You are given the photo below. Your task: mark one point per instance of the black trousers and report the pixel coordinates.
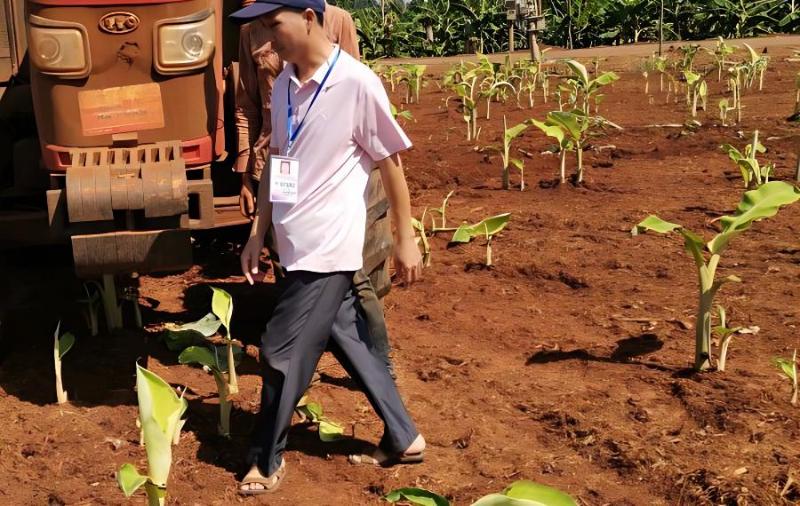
(314, 312)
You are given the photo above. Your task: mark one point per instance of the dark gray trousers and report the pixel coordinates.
(312, 310)
(367, 298)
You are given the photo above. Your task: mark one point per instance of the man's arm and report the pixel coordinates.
(248, 103)
(251, 253)
(408, 260)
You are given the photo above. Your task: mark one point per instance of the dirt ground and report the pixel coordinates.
(567, 363)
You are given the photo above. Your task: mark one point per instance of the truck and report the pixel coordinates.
(117, 134)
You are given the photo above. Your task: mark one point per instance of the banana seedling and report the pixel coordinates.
(509, 134)
(755, 66)
(417, 496)
(61, 345)
(696, 88)
(486, 228)
(751, 168)
(527, 493)
(412, 76)
(688, 52)
(494, 90)
(220, 368)
(797, 93)
(725, 335)
(222, 307)
(586, 88)
(571, 130)
(398, 114)
(160, 412)
(441, 211)
(466, 92)
(720, 53)
(789, 369)
(724, 110)
(422, 238)
(755, 205)
(328, 430)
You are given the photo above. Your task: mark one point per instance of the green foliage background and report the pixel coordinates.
(460, 26)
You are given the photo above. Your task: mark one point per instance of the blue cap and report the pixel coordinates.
(261, 7)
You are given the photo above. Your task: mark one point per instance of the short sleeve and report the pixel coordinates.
(375, 128)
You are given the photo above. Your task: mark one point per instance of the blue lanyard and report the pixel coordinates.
(292, 135)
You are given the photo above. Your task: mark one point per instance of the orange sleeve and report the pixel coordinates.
(248, 103)
(341, 29)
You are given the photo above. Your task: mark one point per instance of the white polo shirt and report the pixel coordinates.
(348, 129)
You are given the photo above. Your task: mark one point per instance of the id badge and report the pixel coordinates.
(284, 174)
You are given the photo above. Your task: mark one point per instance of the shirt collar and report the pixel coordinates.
(319, 75)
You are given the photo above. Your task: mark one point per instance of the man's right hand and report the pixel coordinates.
(247, 199)
(250, 256)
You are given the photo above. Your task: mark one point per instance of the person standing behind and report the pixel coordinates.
(332, 121)
(259, 65)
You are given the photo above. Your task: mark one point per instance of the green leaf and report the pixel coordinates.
(199, 355)
(503, 500)
(214, 357)
(206, 326)
(691, 77)
(312, 410)
(160, 411)
(179, 340)
(579, 70)
(489, 226)
(222, 306)
(65, 343)
(550, 130)
(573, 123)
(514, 132)
(786, 366)
(330, 431)
(763, 202)
(654, 224)
(516, 162)
(606, 79)
(129, 479)
(416, 496)
(530, 491)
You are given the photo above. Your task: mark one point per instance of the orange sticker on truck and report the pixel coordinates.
(121, 109)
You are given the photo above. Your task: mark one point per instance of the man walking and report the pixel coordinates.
(259, 65)
(331, 121)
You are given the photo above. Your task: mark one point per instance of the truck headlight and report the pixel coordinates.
(184, 44)
(59, 48)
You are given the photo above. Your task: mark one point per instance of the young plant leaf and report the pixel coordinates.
(160, 411)
(222, 306)
(418, 496)
(654, 224)
(65, 343)
(312, 410)
(489, 226)
(129, 479)
(514, 132)
(504, 500)
(786, 366)
(214, 357)
(330, 431)
(763, 202)
(206, 326)
(199, 355)
(530, 491)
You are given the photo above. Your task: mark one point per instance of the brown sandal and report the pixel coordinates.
(270, 483)
(387, 460)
